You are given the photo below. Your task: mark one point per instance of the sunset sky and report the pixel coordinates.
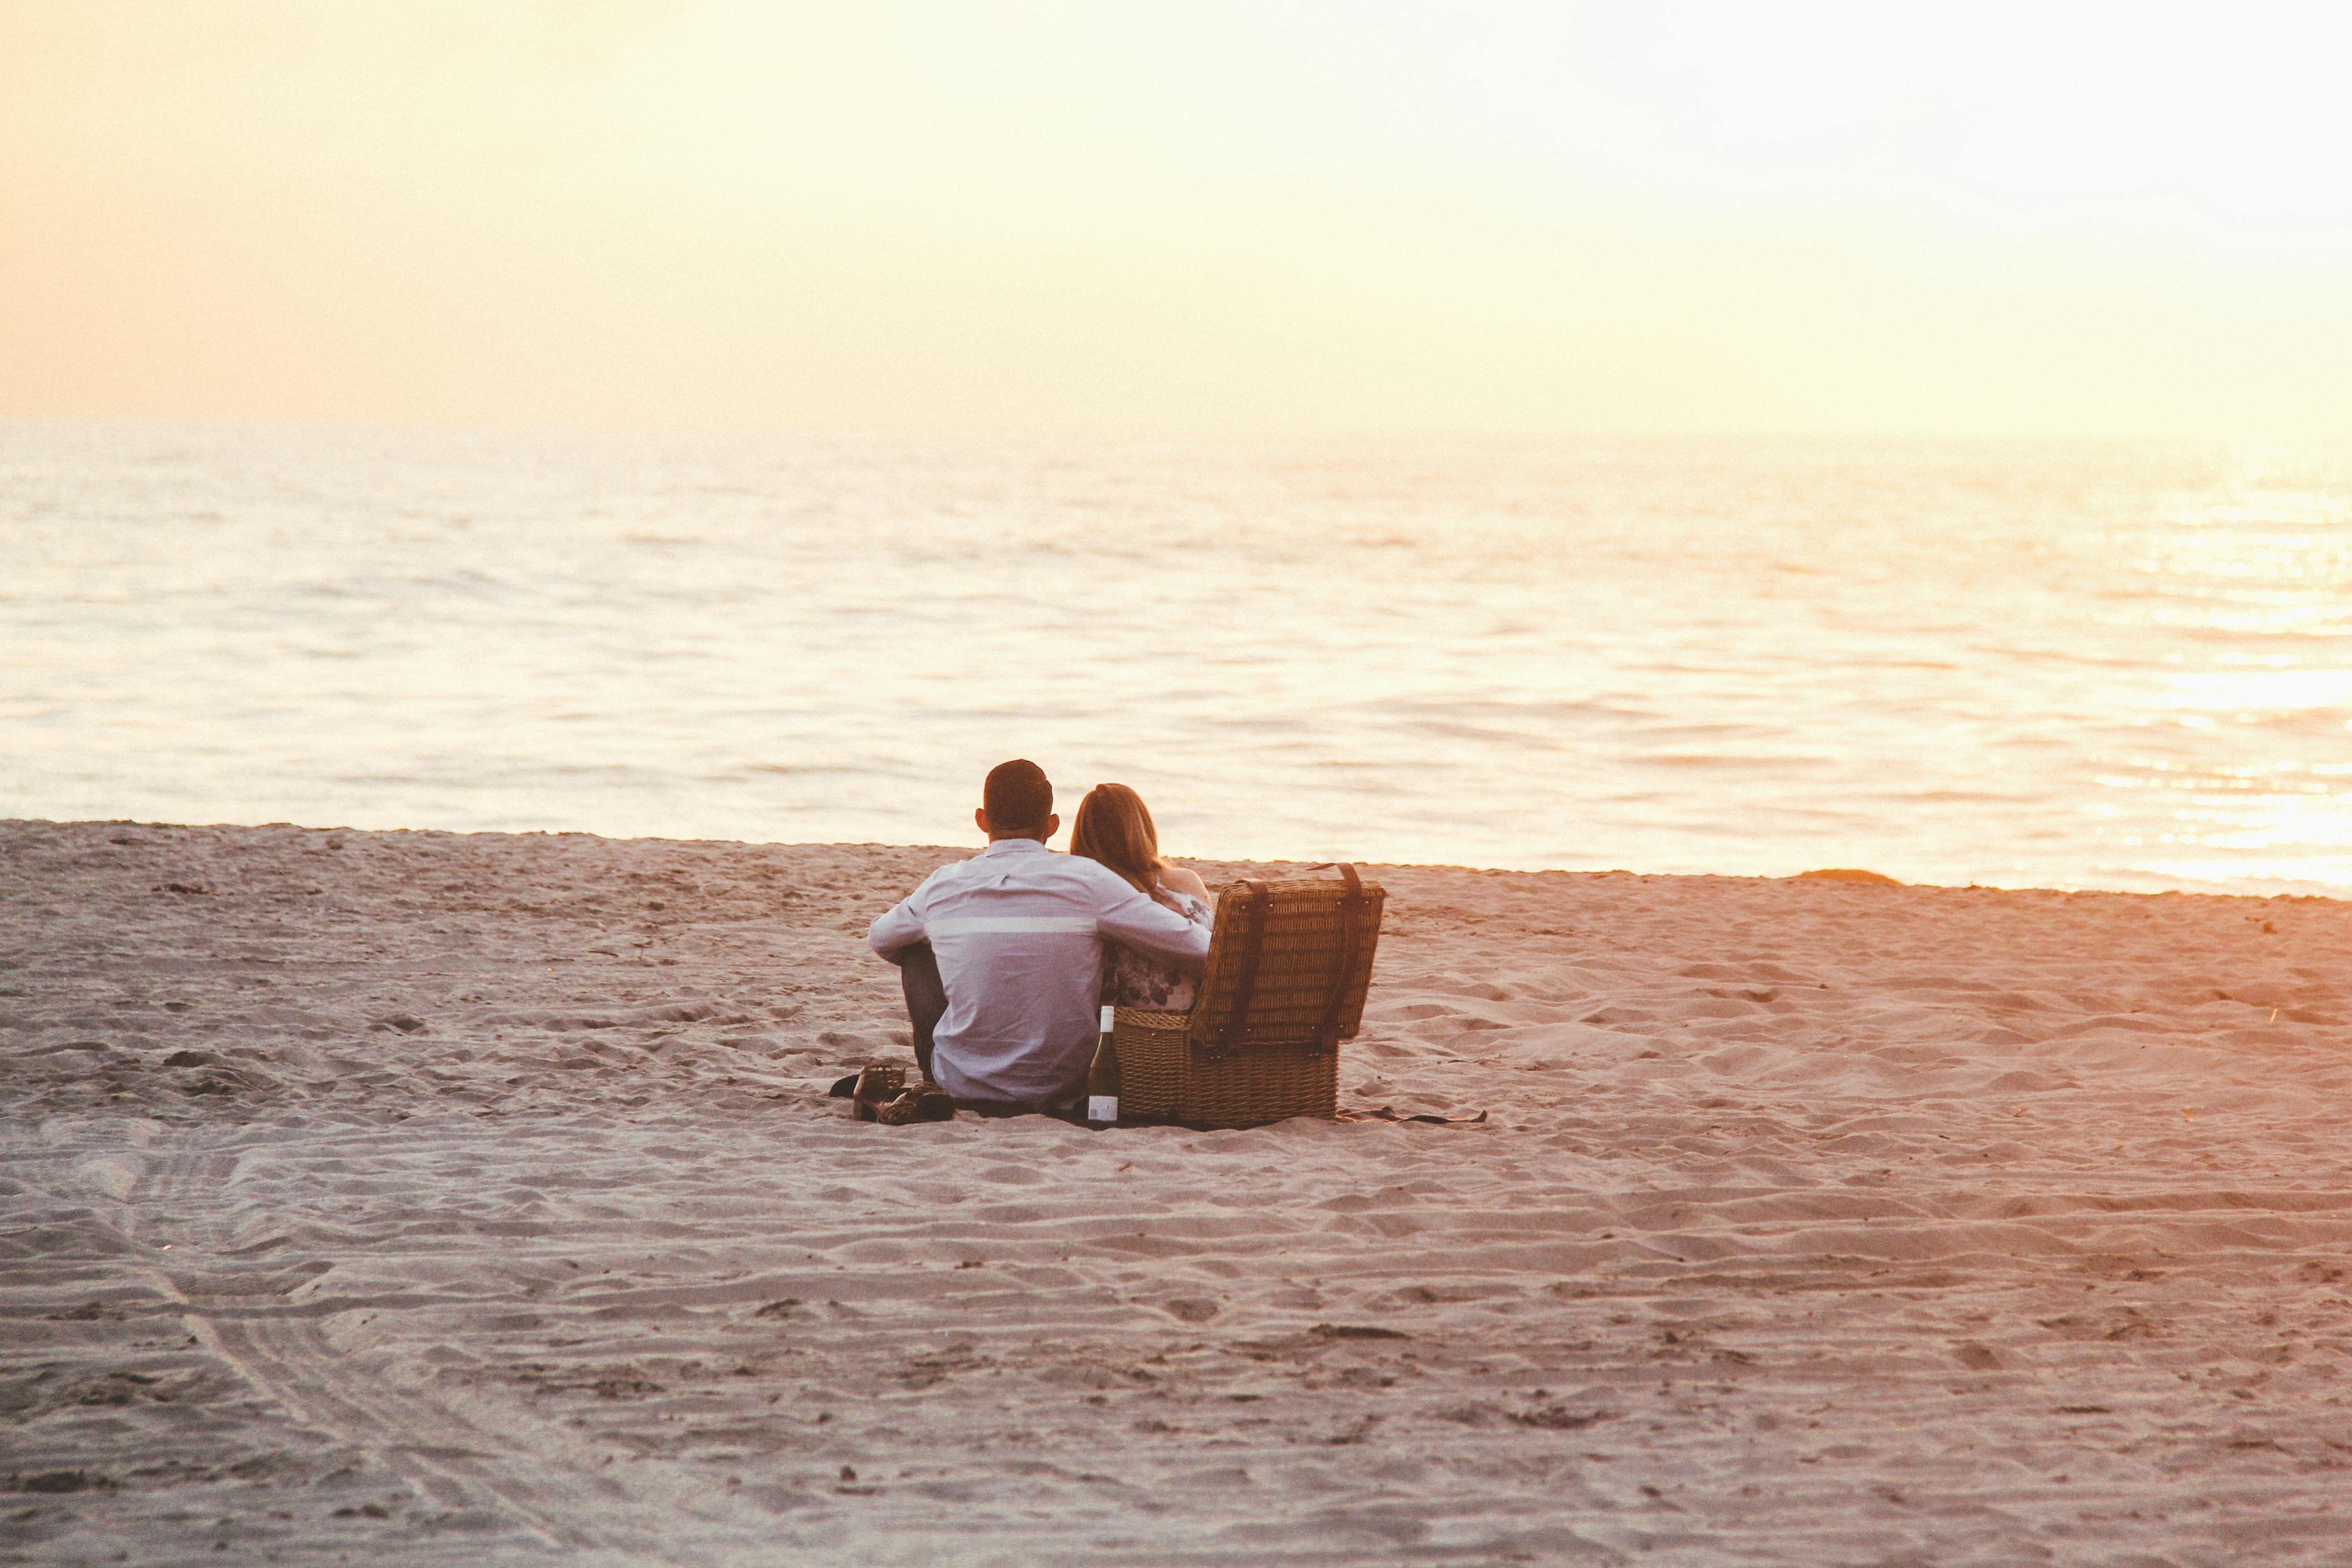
(1509, 219)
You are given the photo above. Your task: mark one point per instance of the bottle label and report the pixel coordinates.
(1102, 1107)
(1109, 1019)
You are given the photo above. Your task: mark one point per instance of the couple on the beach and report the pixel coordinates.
(1005, 957)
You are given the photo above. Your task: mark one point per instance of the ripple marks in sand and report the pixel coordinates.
(486, 1469)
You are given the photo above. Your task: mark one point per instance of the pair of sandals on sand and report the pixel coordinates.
(883, 1094)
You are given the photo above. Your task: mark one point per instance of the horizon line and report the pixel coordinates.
(1112, 431)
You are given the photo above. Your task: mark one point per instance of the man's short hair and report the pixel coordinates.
(1018, 795)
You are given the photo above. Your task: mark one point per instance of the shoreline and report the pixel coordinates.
(1859, 875)
(427, 1197)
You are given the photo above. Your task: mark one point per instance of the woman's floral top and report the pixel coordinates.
(1135, 979)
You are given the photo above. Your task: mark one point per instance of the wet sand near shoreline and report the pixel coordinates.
(422, 1198)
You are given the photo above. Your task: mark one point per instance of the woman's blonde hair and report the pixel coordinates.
(1114, 826)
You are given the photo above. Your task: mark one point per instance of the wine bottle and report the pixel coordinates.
(1102, 1077)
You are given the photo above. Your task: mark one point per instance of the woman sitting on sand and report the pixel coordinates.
(1114, 826)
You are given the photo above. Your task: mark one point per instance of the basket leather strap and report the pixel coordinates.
(1245, 982)
(1352, 904)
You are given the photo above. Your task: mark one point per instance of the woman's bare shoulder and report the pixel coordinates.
(1177, 879)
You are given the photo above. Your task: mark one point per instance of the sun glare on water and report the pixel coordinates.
(2254, 660)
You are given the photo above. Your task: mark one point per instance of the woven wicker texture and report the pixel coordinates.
(1154, 1049)
(1287, 976)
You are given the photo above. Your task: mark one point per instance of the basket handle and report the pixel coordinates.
(1355, 883)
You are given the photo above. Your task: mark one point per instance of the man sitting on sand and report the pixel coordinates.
(1001, 955)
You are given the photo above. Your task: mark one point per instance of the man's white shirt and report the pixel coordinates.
(1018, 932)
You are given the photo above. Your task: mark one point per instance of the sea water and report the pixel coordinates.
(2084, 664)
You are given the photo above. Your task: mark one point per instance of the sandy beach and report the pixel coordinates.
(417, 1198)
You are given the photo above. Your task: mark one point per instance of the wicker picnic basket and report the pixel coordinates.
(1287, 970)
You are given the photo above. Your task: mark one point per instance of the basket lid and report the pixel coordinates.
(1291, 962)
